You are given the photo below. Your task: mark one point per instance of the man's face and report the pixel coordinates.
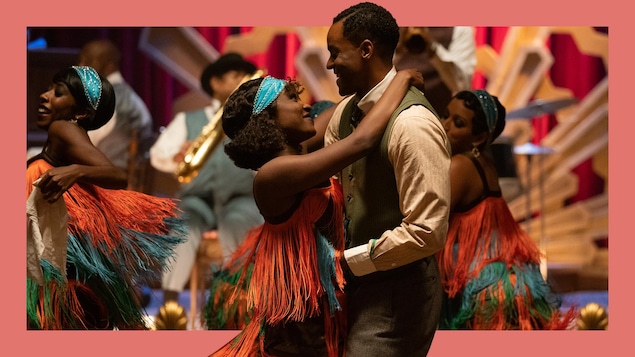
(89, 56)
(345, 60)
(224, 85)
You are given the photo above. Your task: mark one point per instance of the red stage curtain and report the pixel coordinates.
(573, 70)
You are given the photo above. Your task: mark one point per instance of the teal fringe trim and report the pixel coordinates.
(50, 274)
(326, 266)
(530, 286)
(111, 275)
(142, 256)
(120, 301)
(89, 260)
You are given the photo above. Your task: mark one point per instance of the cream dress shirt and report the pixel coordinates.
(419, 151)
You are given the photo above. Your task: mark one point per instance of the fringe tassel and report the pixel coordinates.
(222, 312)
(291, 275)
(509, 299)
(248, 343)
(326, 257)
(493, 269)
(117, 240)
(487, 233)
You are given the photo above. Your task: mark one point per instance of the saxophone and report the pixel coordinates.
(206, 142)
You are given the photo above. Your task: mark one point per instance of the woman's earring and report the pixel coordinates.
(475, 151)
(73, 120)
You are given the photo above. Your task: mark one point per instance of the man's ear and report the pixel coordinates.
(215, 82)
(367, 49)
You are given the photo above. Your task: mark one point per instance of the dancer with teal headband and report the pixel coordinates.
(269, 90)
(89, 241)
(489, 266)
(284, 285)
(489, 108)
(92, 84)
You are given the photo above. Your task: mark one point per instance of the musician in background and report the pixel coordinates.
(220, 197)
(446, 56)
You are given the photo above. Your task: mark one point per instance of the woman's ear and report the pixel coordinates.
(82, 114)
(480, 139)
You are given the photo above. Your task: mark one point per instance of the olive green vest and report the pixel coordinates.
(370, 190)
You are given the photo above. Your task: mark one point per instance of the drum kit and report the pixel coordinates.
(503, 148)
(535, 109)
(502, 151)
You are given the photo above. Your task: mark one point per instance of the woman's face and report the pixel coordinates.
(458, 126)
(294, 118)
(56, 103)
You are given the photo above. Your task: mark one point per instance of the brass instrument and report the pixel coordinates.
(207, 141)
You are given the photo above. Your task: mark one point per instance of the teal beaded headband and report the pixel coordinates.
(489, 107)
(91, 83)
(270, 88)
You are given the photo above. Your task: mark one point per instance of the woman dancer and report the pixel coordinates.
(84, 266)
(286, 282)
(490, 266)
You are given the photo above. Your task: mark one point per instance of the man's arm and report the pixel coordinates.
(455, 64)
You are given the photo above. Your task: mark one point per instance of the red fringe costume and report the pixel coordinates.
(277, 278)
(490, 272)
(117, 239)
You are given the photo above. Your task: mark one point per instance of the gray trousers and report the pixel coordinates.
(394, 313)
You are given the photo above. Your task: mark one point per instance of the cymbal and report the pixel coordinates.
(532, 149)
(540, 107)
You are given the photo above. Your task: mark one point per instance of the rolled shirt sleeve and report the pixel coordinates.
(420, 154)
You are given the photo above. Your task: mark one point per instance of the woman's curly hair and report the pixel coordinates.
(255, 139)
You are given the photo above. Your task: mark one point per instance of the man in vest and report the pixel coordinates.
(397, 198)
(220, 197)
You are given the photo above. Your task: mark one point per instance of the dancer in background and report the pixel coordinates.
(89, 242)
(490, 266)
(287, 279)
(446, 56)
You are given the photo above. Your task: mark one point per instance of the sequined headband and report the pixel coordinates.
(270, 88)
(91, 83)
(489, 108)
